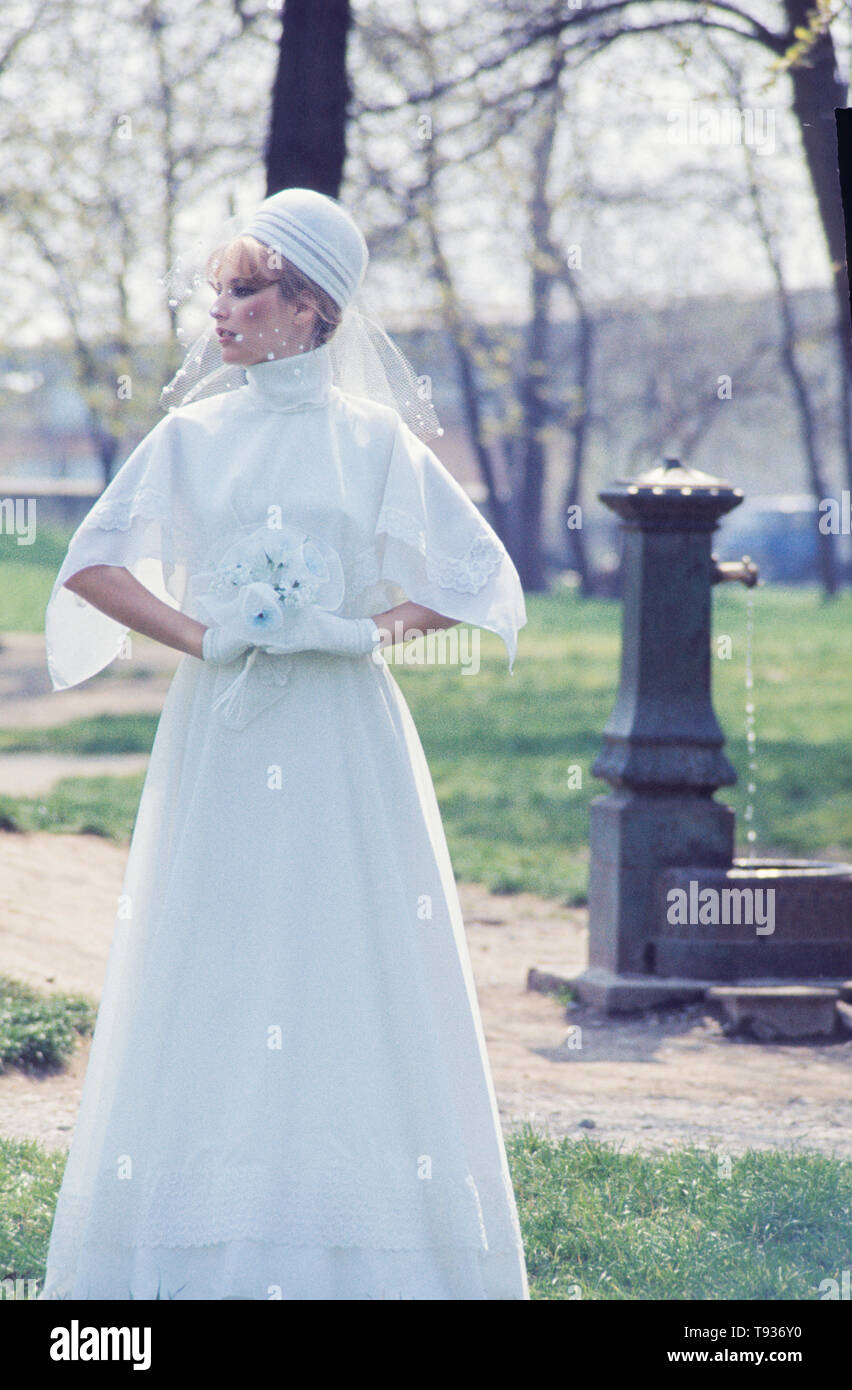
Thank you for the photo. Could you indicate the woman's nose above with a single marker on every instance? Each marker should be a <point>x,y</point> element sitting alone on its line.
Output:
<point>219,307</point>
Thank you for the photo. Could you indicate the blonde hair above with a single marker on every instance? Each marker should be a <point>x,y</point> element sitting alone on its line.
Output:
<point>260,265</point>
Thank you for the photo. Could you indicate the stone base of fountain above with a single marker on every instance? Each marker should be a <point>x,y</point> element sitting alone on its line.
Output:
<point>767,1010</point>
<point>775,1011</point>
<point>787,919</point>
<point>614,993</point>
<point>766,943</point>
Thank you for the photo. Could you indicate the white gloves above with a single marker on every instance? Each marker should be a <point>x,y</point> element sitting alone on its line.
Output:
<point>313,630</point>
<point>309,629</point>
<point>223,644</point>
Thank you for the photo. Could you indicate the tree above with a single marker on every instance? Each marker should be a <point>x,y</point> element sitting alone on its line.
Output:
<point>306,147</point>
<point>92,179</point>
<point>824,542</point>
<point>512,64</point>
<point>802,47</point>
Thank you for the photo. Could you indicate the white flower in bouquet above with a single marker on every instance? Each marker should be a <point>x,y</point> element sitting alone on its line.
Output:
<point>268,572</point>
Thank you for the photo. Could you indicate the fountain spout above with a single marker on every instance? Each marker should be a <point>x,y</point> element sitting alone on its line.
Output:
<point>744,571</point>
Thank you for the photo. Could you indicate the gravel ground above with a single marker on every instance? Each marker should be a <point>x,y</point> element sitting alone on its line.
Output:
<point>645,1082</point>
<point>648,1082</point>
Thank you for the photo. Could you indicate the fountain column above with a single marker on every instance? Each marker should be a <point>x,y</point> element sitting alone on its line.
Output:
<point>662,751</point>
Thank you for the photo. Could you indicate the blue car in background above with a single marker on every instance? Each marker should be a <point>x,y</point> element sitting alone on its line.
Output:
<point>781,534</point>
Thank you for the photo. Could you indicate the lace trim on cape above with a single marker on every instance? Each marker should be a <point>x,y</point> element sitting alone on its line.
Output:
<point>149,503</point>
<point>465,574</point>
<point>117,513</point>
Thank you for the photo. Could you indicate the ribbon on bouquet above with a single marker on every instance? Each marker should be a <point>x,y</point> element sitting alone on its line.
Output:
<point>231,699</point>
<point>263,574</point>
<point>228,701</point>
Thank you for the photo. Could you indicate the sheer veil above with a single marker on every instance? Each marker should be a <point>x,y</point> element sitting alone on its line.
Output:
<point>316,234</point>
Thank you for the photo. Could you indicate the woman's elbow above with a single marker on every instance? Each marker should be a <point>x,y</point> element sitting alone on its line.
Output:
<point>91,579</point>
<point>443,620</point>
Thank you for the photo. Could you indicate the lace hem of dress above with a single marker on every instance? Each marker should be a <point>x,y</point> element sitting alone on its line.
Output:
<point>466,574</point>
<point>185,1210</point>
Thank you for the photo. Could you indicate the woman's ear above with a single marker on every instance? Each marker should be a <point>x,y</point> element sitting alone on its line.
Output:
<point>306,306</point>
<point>305,313</point>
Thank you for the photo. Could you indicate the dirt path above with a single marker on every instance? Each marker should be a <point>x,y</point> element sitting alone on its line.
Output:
<point>652,1082</point>
<point>643,1083</point>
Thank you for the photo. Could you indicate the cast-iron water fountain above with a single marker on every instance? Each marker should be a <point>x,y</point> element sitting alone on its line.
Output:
<point>659,838</point>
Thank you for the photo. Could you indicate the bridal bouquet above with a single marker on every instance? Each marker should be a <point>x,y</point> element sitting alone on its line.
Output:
<point>261,577</point>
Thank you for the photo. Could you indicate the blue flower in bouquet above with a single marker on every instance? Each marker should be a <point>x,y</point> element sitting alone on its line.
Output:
<point>260,611</point>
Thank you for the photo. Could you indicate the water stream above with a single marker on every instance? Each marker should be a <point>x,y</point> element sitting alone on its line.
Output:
<point>751,737</point>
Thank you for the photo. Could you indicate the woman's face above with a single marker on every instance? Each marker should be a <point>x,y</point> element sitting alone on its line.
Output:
<point>256,324</point>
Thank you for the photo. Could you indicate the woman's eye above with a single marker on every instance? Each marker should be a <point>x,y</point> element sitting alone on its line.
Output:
<point>239,290</point>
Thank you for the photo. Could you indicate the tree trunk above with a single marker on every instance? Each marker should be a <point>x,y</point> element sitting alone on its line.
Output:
<point>531,564</point>
<point>535,411</point>
<point>826,555</point>
<point>106,447</point>
<point>458,334</point>
<point>306,147</point>
<point>816,92</point>
<point>579,440</point>
<point>846,426</point>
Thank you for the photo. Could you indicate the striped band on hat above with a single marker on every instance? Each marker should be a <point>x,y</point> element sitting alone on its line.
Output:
<point>316,235</point>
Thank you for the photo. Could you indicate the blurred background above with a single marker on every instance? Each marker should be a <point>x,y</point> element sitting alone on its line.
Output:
<point>604,233</point>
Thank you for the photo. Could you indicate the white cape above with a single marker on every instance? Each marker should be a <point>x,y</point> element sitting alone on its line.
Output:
<point>288,1093</point>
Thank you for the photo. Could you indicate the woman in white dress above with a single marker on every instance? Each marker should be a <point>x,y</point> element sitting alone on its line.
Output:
<point>288,1093</point>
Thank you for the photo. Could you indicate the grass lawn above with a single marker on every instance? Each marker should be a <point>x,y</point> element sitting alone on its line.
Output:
<point>511,756</point>
<point>597,1224</point>
<point>27,573</point>
<point>39,1031</point>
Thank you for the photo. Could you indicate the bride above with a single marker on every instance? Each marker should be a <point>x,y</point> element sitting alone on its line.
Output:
<point>288,1093</point>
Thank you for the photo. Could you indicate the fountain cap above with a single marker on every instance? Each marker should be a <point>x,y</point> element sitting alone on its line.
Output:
<point>671,496</point>
<point>673,473</point>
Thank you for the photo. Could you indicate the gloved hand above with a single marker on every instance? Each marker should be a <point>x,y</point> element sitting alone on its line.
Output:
<point>223,644</point>
<point>311,629</point>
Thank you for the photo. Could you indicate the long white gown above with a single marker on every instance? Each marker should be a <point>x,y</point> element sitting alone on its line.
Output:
<point>288,1094</point>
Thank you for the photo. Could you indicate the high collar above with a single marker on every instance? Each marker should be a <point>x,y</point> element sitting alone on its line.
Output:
<point>292,383</point>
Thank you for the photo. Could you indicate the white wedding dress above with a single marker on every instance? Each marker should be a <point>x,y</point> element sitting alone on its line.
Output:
<point>288,1094</point>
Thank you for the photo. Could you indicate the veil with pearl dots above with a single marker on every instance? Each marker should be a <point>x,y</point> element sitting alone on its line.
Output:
<point>365,361</point>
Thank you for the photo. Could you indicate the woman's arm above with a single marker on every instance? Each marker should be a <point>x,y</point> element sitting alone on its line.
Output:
<point>113,590</point>
<point>409,620</point>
